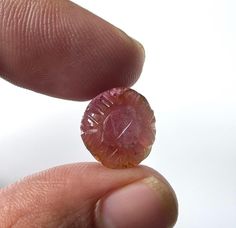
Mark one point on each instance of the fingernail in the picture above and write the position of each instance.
(146, 203)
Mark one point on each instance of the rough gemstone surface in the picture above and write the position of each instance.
(118, 128)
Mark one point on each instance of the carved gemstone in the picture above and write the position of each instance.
(118, 128)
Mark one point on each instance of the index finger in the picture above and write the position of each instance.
(60, 49)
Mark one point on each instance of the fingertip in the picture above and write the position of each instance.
(119, 63)
(73, 55)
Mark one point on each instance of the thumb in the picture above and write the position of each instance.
(89, 195)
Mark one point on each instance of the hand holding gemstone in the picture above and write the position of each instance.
(118, 128)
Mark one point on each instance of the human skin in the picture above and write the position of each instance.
(57, 48)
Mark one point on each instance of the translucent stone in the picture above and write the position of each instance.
(118, 128)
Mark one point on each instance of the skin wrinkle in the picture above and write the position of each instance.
(59, 218)
(26, 28)
(4, 8)
(20, 204)
(35, 203)
(60, 183)
(37, 192)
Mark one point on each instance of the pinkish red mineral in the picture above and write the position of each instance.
(118, 128)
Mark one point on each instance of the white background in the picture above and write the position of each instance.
(189, 78)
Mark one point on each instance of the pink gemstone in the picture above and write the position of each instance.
(118, 128)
